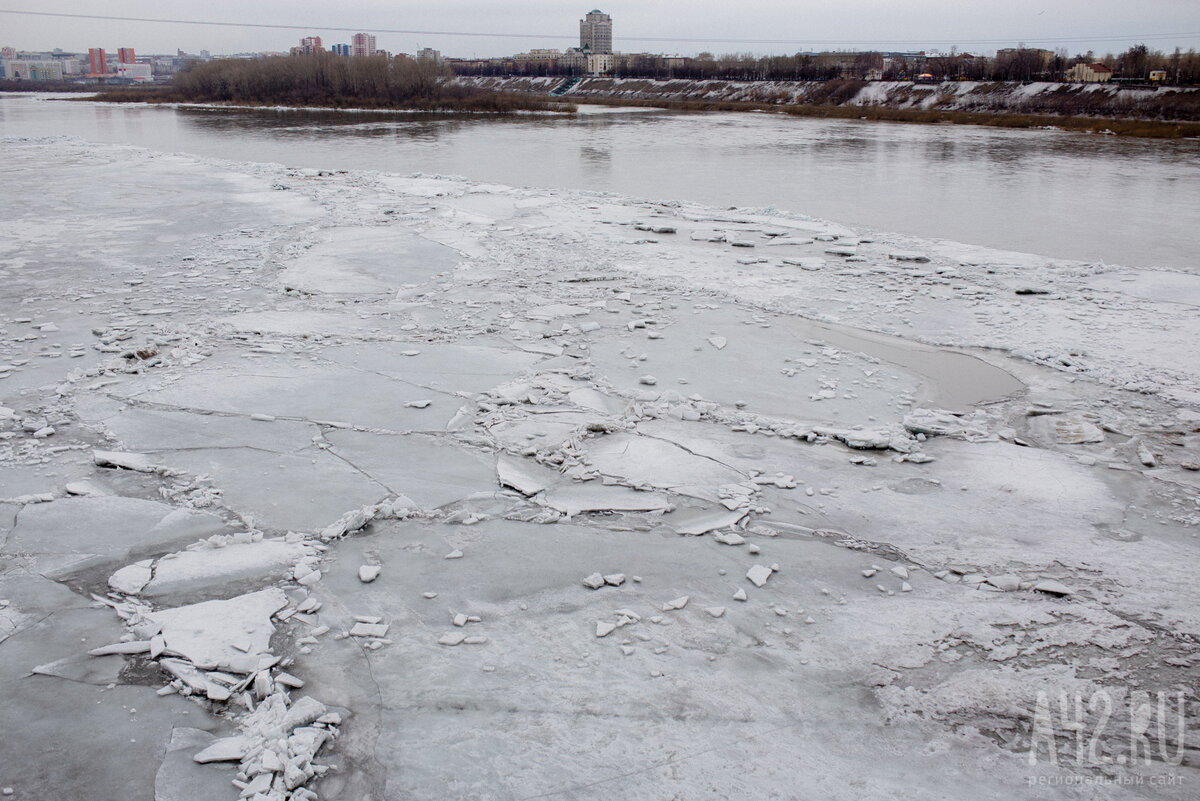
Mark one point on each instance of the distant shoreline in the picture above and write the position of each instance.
(1148, 129)
(1166, 113)
(543, 103)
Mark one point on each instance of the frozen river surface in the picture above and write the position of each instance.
(1122, 201)
(370, 485)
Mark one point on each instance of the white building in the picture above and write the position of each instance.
(136, 72)
(600, 63)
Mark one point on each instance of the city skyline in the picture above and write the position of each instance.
(1102, 26)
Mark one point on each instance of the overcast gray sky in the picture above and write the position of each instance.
(718, 26)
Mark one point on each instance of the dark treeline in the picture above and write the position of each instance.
(327, 80)
(1015, 64)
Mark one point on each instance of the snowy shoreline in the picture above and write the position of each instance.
(412, 486)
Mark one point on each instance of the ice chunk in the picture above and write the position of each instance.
(1007, 582)
(555, 311)
(131, 647)
(699, 523)
(575, 498)
(1053, 587)
(85, 488)
(1075, 430)
(368, 573)
(758, 575)
(132, 578)
(139, 462)
(594, 581)
(677, 603)
(729, 538)
(227, 749)
(369, 630)
(206, 567)
(525, 477)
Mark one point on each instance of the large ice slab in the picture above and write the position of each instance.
(366, 261)
(110, 527)
(228, 635)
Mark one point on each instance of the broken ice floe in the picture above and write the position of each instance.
(228, 635)
(277, 746)
(126, 461)
(696, 523)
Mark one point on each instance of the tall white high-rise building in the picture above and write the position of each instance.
(363, 44)
(595, 32)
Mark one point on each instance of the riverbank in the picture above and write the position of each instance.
(324, 80)
(1163, 113)
(481, 102)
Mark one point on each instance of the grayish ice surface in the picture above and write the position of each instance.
(361, 485)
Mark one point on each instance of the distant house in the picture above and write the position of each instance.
(1089, 73)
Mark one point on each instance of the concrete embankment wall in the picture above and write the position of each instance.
(1102, 100)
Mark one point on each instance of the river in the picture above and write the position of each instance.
(1131, 202)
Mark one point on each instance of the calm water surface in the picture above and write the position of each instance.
(1098, 198)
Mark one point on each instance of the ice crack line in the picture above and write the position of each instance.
(655, 766)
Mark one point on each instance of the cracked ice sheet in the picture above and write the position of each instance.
(1068, 515)
(71, 533)
(577, 706)
(642, 460)
(561, 711)
(209, 569)
(51, 758)
(156, 200)
(311, 392)
(366, 261)
(964, 297)
(468, 366)
(428, 471)
(793, 369)
(303, 491)
(150, 430)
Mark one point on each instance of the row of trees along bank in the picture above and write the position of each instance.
(1015, 64)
